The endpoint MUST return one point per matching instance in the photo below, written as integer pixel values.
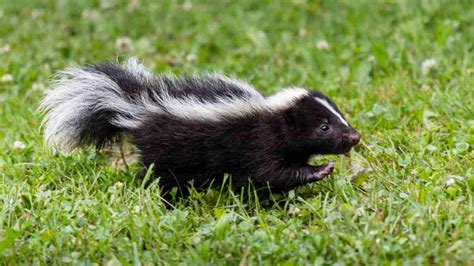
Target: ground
(401, 71)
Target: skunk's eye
(324, 127)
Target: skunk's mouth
(339, 150)
(346, 147)
(346, 150)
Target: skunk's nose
(352, 138)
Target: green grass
(404, 195)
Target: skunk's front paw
(323, 170)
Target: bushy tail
(95, 104)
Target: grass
(403, 196)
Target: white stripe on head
(328, 106)
(285, 98)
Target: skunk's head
(317, 126)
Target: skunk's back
(96, 103)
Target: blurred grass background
(401, 71)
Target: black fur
(267, 148)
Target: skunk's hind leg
(185, 183)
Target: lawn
(401, 71)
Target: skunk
(197, 128)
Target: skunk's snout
(352, 138)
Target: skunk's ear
(295, 120)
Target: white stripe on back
(332, 110)
(194, 108)
(285, 98)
